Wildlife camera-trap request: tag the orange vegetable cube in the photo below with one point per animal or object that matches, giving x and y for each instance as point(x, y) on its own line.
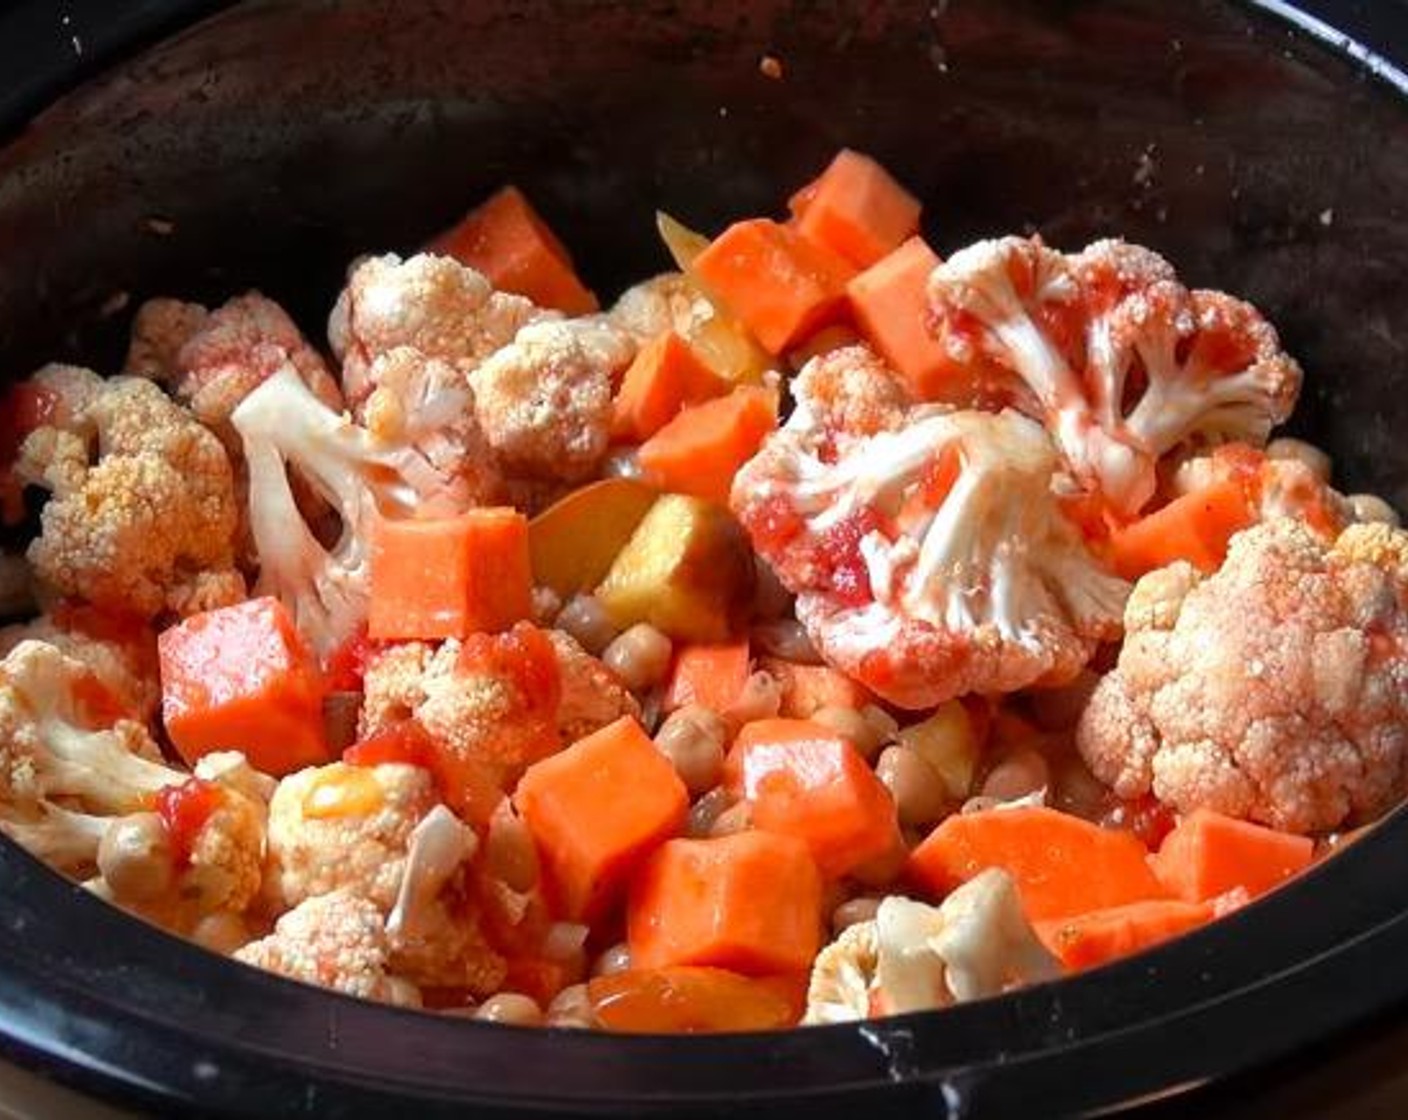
point(1101, 936)
point(505, 239)
point(701, 449)
point(710, 675)
point(241, 678)
point(806, 689)
point(1195, 527)
point(781, 284)
point(856, 209)
point(1208, 854)
point(596, 810)
point(449, 577)
point(805, 780)
point(749, 902)
point(1062, 865)
point(666, 375)
point(891, 307)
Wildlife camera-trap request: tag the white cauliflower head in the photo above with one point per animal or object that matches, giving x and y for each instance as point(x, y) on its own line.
point(1275, 689)
point(916, 957)
point(927, 548)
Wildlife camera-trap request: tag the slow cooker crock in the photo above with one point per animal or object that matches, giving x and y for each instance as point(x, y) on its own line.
point(266, 146)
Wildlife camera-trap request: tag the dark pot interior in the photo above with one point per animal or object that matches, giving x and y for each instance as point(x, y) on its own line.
point(269, 146)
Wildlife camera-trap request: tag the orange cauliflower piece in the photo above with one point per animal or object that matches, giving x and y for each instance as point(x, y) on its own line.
point(433, 304)
point(927, 549)
point(212, 360)
point(1275, 689)
point(544, 400)
point(337, 941)
point(143, 514)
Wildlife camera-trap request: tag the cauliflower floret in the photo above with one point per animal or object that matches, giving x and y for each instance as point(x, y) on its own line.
point(67, 759)
point(592, 695)
point(284, 425)
point(381, 833)
point(929, 560)
point(490, 702)
point(666, 302)
point(544, 401)
point(212, 360)
point(1120, 360)
point(120, 652)
point(340, 826)
point(1274, 487)
point(336, 941)
point(914, 957)
point(433, 304)
point(143, 515)
point(1275, 689)
point(849, 393)
point(428, 404)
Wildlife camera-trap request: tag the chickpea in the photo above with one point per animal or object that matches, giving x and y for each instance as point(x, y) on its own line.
point(761, 698)
point(509, 853)
point(1022, 772)
point(134, 857)
point(738, 817)
point(613, 960)
point(1298, 451)
point(867, 730)
point(921, 797)
point(586, 620)
point(785, 638)
point(510, 1008)
point(692, 738)
point(222, 932)
point(546, 605)
point(1370, 507)
point(640, 656)
point(852, 912)
point(706, 811)
point(572, 1007)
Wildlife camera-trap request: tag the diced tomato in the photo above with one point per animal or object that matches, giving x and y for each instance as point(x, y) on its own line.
point(183, 810)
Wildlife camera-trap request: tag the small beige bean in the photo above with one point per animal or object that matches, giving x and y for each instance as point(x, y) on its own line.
point(921, 797)
point(134, 857)
point(705, 812)
point(509, 853)
point(1307, 454)
point(640, 656)
point(546, 605)
point(852, 912)
point(1370, 507)
point(787, 639)
point(1077, 790)
point(738, 817)
point(572, 1007)
point(865, 733)
point(692, 738)
point(1021, 773)
point(586, 620)
point(221, 932)
point(613, 960)
point(511, 1009)
point(760, 698)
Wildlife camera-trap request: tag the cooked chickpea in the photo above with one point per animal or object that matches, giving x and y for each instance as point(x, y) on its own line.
point(222, 932)
point(510, 1008)
point(546, 605)
point(705, 812)
point(586, 620)
point(509, 854)
point(615, 959)
point(761, 698)
point(1021, 773)
point(919, 792)
point(640, 656)
point(1370, 507)
point(1307, 454)
point(572, 1007)
point(852, 912)
point(692, 738)
point(134, 857)
point(738, 817)
point(868, 730)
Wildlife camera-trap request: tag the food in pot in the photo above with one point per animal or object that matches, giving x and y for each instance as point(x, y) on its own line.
point(827, 630)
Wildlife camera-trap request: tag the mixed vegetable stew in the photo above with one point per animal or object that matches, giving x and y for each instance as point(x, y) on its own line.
point(827, 630)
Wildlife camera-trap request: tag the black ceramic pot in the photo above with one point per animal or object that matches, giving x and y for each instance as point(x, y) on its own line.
point(269, 145)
